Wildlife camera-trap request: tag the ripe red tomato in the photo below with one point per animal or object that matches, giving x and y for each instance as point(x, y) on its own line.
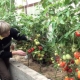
point(69, 70)
point(77, 33)
point(62, 63)
point(72, 61)
point(71, 78)
point(66, 68)
point(66, 78)
point(32, 49)
point(77, 55)
point(29, 51)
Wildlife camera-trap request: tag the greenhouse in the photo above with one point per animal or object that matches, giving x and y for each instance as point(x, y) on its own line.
point(39, 40)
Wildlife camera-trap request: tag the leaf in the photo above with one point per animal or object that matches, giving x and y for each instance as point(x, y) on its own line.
point(61, 20)
point(67, 2)
point(44, 3)
point(67, 13)
point(53, 26)
point(67, 34)
point(77, 26)
point(50, 0)
point(51, 12)
point(1, 9)
point(76, 1)
point(3, 2)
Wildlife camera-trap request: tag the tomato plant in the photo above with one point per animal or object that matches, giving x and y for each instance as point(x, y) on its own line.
point(54, 32)
point(61, 40)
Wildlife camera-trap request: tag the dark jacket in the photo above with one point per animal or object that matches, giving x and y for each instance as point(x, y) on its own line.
point(6, 42)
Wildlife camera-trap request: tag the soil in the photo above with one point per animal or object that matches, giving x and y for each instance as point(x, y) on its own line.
point(48, 71)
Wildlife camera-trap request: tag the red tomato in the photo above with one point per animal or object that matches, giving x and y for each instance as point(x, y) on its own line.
point(72, 61)
point(29, 51)
point(62, 63)
point(77, 33)
point(70, 70)
point(32, 49)
point(71, 78)
point(66, 78)
point(66, 68)
point(77, 55)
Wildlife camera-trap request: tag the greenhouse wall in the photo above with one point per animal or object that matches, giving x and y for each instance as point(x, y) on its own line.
point(28, 6)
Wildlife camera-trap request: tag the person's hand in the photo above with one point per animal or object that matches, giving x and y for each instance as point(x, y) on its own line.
point(19, 52)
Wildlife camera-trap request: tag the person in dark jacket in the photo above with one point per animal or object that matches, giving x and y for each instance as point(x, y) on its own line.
point(6, 35)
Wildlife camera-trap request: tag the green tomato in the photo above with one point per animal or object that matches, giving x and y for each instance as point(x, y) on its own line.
point(58, 64)
point(64, 57)
point(42, 52)
point(37, 43)
point(35, 40)
point(38, 35)
point(68, 56)
point(38, 51)
point(56, 54)
point(51, 58)
point(52, 61)
point(35, 52)
point(42, 55)
point(73, 49)
point(40, 58)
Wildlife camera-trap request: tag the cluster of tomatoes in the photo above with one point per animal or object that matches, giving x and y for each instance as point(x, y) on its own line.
point(33, 48)
point(66, 66)
point(70, 66)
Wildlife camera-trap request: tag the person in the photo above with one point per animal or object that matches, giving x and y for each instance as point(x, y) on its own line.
point(6, 35)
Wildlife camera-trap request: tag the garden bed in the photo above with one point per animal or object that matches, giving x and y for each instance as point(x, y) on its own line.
point(47, 70)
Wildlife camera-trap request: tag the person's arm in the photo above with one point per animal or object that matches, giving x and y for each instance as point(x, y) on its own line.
point(17, 36)
point(5, 54)
point(19, 52)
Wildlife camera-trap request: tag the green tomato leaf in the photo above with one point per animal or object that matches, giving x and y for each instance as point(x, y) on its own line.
point(67, 13)
point(67, 2)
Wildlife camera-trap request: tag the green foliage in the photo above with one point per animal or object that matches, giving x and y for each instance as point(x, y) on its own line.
point(7, 12)
point(64, 18)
